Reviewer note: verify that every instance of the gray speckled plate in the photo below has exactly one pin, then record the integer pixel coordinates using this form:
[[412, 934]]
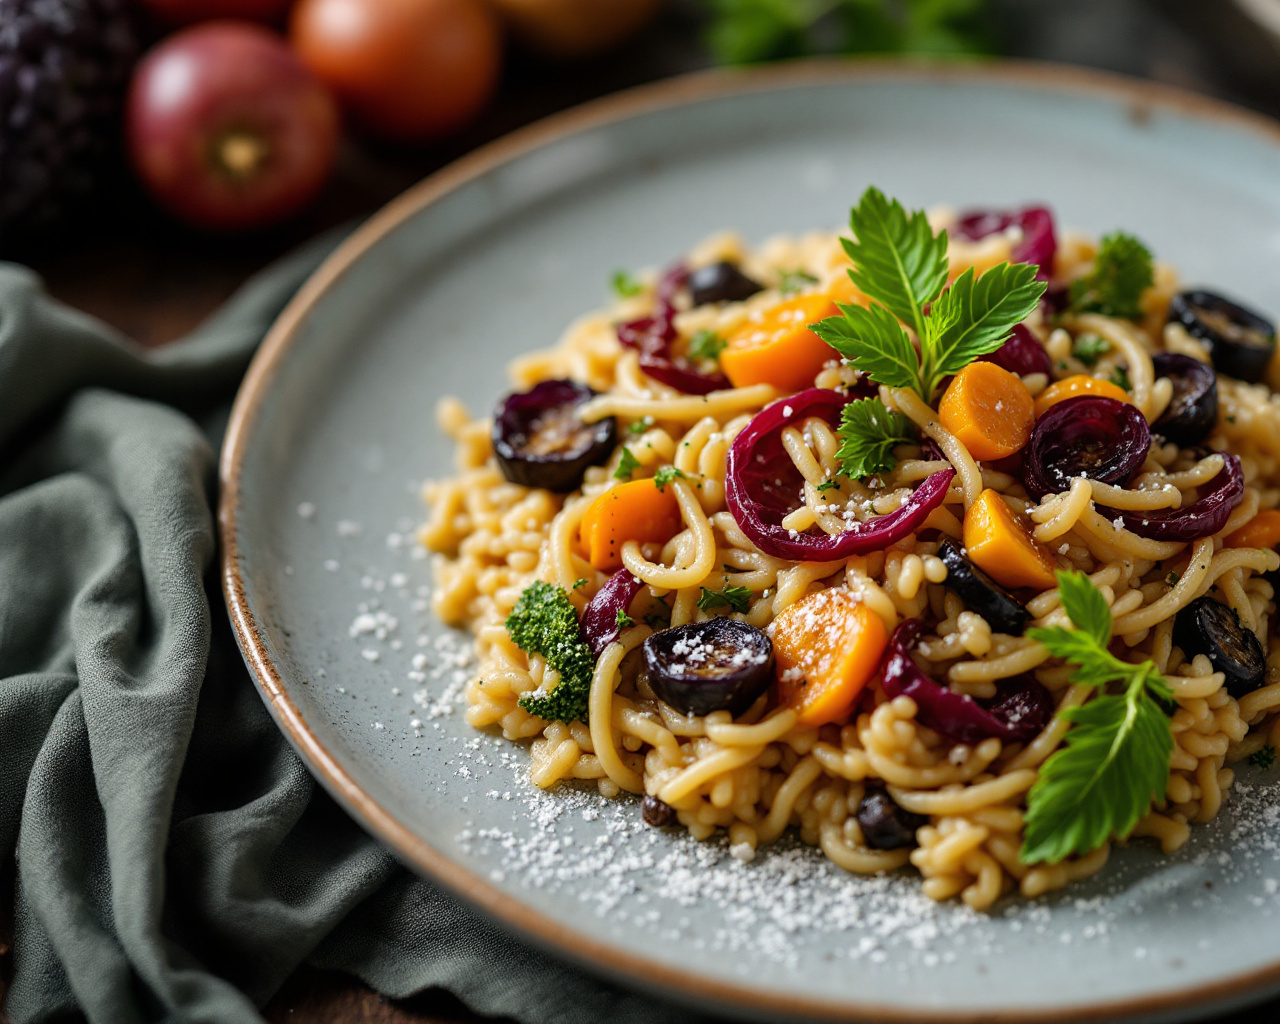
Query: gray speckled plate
[[333, 432]]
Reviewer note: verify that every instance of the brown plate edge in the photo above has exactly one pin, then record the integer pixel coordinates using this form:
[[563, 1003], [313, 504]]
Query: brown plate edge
[[1144, 97]]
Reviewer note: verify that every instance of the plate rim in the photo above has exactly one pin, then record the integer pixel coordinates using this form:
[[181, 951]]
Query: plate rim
[[635, 970]]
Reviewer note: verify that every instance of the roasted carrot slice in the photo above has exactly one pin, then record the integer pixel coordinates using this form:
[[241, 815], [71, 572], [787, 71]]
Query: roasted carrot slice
[[635, 510], [998, 541], [775, 346], [1262, 531], [989, 410], [1076, 387], [828, 647]]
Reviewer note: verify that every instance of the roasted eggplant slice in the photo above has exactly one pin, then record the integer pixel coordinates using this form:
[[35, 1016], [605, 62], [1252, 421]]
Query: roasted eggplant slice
[[885, 825], [540, 441], [1209, 627], [1192, 412], [980, 593], [721, 282], [1240, 341], [717, 665]]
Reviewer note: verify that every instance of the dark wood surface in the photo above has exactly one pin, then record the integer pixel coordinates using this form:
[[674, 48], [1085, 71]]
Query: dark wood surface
[[155, 281]]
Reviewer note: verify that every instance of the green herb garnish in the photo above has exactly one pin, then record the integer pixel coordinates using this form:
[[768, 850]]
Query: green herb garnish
[[1122, 271], [624, 620], [902, 266], [665, 475], [792, 281], [544, 622], [1263, 757], [579, 583], [706, 345], [737, 598], [868, 433], [827, 485], [1172, 578], [624, 284], [1115, 758], [1089, 348], [640, 426], [627, 465], [1120, 378]]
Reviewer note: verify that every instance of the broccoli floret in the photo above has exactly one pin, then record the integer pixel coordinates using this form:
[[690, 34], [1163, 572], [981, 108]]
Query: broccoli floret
[[544, 622]]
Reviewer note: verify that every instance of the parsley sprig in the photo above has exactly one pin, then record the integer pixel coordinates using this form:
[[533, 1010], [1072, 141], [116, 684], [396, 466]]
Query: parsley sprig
[[1115, 759], [1122, 271], [868, 433], [902, 266], [736, 598]]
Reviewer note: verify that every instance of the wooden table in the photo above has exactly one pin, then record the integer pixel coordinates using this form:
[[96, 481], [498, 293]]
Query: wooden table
[[155, 281]]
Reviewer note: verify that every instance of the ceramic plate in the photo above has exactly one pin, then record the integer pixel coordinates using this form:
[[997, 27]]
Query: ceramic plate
[[334, 431]]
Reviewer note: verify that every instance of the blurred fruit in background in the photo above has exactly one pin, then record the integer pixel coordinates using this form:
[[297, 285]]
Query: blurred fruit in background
[[575, 28], [64, 65], [227, 129], [188, 12], [406, 70]]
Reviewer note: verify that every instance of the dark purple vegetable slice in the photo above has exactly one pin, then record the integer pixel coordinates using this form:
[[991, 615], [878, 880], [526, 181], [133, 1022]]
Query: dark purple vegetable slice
[[1209, 627], [1202, 518], [721, 282], [1039, 244], [1192, 412], [1101, 438], [652, 336], [600, 617], [656, 813], [762, 488], [1240, 341], [885, 825], [980, 593], [1019, 711], [540, 441], [1021, 354], [716, 665]]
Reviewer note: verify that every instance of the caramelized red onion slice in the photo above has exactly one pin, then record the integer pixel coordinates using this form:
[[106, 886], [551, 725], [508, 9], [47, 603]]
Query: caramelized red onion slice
[[1018, 712], [1091, 436], [1021, 354], [652, 336], [762, 488], [600, 617], [1202, 518], [1039, 243]]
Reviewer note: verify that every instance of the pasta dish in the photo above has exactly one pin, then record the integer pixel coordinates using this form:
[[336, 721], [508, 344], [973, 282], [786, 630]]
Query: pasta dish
[[945, 541]]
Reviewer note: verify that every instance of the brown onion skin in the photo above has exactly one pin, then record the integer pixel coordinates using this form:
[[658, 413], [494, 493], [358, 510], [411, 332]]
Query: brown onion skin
[[204, 101]]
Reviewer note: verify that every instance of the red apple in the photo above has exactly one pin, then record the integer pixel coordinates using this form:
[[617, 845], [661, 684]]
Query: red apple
[[227, 129]]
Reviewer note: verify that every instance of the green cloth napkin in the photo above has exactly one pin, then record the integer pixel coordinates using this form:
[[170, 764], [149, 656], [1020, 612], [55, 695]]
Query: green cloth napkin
[[171, 859]]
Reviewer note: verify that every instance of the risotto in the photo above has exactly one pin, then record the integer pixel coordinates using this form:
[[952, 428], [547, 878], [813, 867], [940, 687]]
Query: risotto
[[944, 541]]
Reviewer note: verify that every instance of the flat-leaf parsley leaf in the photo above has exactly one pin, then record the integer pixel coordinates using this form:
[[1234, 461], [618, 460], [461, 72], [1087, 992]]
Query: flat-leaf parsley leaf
[[737, 598], [625, 285], [868, 433], [665, 475], [1115, 758], [627, 464], [902, 266], [706, 344]]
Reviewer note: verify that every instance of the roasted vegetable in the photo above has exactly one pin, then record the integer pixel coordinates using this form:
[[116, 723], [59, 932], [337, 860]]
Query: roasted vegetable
[[637, 511], [980, 593], [716, 665], [775, 346], [988, 409], [539, 440], [1239, 341], [999, 541], [1192, 412], [1208, 627]]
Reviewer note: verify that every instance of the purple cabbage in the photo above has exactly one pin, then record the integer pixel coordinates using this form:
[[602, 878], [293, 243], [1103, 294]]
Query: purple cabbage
[[1202, 518], [1021, 354], [1039, 243], [762, 487], [1018, 712], [652, 336], [600, 618]]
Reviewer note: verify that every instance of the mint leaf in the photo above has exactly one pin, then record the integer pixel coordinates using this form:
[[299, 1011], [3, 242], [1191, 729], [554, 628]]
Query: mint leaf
[[706, 345], [872, 340], [625, 285], [975, 316], [868, 433], [665, 475], [1114, 763], [737, 598], [1122, 271], [898, 261], [627, 465]]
